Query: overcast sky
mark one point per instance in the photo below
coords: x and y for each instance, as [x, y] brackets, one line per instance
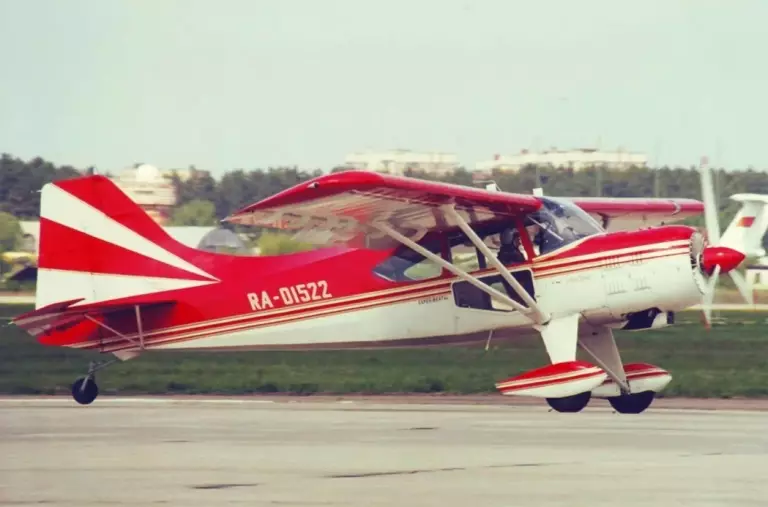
[243, 84]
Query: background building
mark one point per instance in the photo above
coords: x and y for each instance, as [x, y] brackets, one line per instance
[575, 159]
[398, 161]
[152, 188]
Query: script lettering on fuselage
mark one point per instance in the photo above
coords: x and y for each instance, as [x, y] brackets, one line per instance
[290, 295]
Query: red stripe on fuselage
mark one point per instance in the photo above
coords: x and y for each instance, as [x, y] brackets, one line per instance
[246, 322]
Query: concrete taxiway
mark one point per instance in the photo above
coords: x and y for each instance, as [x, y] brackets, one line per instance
[226, 452]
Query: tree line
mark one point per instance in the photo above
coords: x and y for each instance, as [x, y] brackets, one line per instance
[203, 199]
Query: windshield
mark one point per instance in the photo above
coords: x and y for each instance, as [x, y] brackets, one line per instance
[558, 223]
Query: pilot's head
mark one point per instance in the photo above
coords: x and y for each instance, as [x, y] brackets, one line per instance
[509, 237]
[533, 231]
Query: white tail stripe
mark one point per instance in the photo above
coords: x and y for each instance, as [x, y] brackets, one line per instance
[65, 209]
[63, 285]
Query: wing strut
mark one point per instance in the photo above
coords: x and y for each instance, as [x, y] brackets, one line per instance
[139, 344]
[500, 297]
[537, 314]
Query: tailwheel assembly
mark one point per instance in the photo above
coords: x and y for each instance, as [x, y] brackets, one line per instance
[575, 403]
[634, 403]
[85, 390]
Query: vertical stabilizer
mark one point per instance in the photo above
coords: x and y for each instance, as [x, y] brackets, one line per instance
[97, 245]
[746, 230]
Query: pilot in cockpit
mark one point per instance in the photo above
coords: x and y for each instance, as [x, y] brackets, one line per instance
[511, 249]
[536, 234]
[546, 236]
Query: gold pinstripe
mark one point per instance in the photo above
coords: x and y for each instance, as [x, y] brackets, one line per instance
[253, 321]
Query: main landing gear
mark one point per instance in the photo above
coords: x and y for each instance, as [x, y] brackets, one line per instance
[568, 384]
[635, 403]
[575, 403]
[85, 389]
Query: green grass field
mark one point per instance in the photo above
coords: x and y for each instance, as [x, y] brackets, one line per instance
[730, 360]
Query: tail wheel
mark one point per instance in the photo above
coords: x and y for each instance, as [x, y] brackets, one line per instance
[575, 403]
[632, 403]
[85, 390]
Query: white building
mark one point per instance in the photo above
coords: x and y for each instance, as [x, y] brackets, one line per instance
[574, 159]
[398, 161]
[150, 188]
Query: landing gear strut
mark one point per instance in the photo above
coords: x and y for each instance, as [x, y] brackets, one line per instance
[85, 389]
[575, 403]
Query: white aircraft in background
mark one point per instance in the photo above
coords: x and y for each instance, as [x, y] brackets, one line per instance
[744, 233]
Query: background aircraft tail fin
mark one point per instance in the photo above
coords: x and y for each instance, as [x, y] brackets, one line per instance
[746, 230]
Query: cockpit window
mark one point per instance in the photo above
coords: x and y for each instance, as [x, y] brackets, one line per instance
[558, 223]
[406, 265]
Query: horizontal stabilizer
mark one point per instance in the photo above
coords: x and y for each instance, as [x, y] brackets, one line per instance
[65, 314]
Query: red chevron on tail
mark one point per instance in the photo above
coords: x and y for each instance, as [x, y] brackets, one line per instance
[97, 245]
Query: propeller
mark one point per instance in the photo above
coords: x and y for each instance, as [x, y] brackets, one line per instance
[715, 258]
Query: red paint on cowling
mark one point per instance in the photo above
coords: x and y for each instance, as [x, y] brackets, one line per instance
[607, 243]
[726, 258]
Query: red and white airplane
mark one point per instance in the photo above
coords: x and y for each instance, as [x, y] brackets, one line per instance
[406, 263]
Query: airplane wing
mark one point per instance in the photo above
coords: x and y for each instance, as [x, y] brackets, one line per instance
[336, 207]
[341, 206]
[628, 213]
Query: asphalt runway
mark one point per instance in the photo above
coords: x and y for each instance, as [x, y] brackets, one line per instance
[190, 453]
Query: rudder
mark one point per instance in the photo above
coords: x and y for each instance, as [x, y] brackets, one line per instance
[98, 245]
[746, 230]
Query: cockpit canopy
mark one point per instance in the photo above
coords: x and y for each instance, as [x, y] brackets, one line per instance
[558, 223]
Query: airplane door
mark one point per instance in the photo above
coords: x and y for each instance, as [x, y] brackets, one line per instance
[466, 295]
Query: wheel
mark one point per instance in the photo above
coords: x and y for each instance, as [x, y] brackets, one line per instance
[575, 403]
[87, 395]
[632, 403]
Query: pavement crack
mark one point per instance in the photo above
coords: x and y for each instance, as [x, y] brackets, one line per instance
[394, 472]
[517, 465]
[223, 486]
[432, 470]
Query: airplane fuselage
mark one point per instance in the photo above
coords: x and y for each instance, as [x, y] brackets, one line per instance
[330, 299]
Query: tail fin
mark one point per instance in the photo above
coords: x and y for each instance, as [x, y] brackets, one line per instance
[746, 230]
[97, 245]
